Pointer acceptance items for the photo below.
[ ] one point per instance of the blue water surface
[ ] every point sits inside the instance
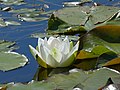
(21, 35)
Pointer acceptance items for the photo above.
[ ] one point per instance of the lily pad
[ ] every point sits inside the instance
(109, 33)
(6, 46)
(4, 23)
(23, 10)
(43, 35)
(11, 2)
(85, 80)
(80, 15)
(11, 60)
(73, 15)
(77, 3)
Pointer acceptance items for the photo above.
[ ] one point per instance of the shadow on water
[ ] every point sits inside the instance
(21, 34)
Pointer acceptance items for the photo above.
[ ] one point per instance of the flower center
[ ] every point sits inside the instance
(56, 54)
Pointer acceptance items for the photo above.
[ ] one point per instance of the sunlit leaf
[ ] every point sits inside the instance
(85, 55)
(11, 2)
(6, 9)
(4, 23)
(33, 19)
(11, 60)
(85, 15)
(91, 80)
(77, 3)
(22, 10)
(43, 35)
(31, 16)
(6, 46)
(72, 15)
(12, 23)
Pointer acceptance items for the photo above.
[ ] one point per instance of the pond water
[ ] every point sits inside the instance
(21, 35)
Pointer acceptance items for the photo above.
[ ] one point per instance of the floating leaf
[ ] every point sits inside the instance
(72, 15)
(114, 64)
(2, 23)
(30, 15)
(77, 3)
(12, 23)
(6, 46)
(11, 2)
(105, 57)
(23, 10)
(84, 14)
(6, 9)
(97, 37)
(43, 35)
(86, 64)
(109, 33)
(85, 80)
(85, 55)
(11, 60)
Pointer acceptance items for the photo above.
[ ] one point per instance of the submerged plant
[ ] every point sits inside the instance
(54, 52)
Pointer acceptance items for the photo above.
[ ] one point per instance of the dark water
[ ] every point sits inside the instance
(21, 34)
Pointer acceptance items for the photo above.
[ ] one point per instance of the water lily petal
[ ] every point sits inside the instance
(53, 42)
(50, 40)
(68, 62)
(46, 43)
(74, 49)
(39, 58)
(43, 52)
(40, 41)
(52, 62)
(66, 46)
(59, 39)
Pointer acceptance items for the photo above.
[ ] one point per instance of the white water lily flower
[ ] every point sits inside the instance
(54, 52)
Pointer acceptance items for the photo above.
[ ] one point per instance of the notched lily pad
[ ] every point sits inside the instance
(84, 15)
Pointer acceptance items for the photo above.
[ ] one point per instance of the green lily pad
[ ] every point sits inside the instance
(73, 15)
(79, 15)
(4, 23)
(6, 46)
(11, 60)
(43, 35)
(107, 35)
(32, 19)
(78, 2)
(11, 2)
(30, 15)
(23, 10)
(88, 16)
(85, 80)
